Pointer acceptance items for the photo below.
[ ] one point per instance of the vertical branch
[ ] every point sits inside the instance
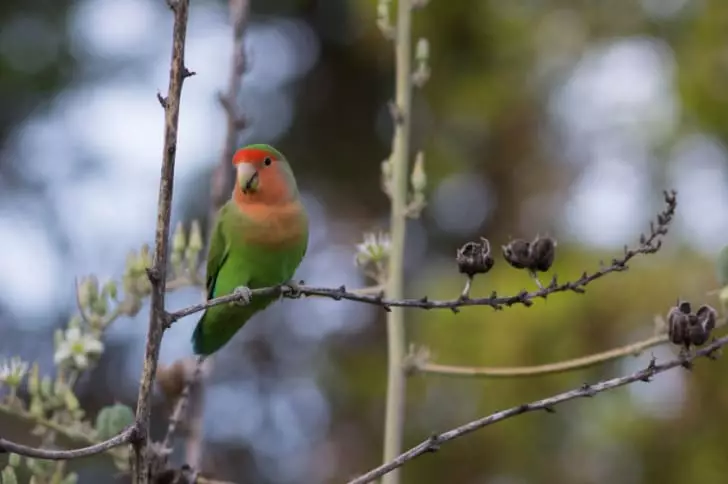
(158, 272)
(221, 184)
(401, 112)
(222, 181)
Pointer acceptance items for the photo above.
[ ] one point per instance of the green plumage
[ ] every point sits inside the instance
(234, 262)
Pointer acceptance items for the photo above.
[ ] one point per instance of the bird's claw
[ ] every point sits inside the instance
(292, 289)
(244, 294)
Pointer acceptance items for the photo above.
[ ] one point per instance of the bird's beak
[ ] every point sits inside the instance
(248, 177)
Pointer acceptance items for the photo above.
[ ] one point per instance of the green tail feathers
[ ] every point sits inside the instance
(198, 340)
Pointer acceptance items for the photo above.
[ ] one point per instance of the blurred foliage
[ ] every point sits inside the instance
(51, 406)
(483, 112)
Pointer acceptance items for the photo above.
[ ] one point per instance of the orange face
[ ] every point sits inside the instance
(260, 177)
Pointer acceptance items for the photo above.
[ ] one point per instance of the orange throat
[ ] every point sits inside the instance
(277, 225)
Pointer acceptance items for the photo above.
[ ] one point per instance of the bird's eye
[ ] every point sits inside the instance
(267, 161)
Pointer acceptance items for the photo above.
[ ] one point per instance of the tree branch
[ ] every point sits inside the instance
(123, 438)
(222, 180)
(649, 244)
(535, 370)
(157, 273)
(585, 391)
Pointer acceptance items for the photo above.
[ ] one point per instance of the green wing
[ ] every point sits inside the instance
(217, 253)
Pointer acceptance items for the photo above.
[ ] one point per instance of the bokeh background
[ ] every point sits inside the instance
(561, 116)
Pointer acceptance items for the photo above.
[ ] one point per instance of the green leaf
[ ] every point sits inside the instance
(113, 419)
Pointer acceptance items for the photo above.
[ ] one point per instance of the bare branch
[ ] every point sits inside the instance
(433, 443)
(648, 244)
(123, 438)
(537, 370)
(157, 273)
(181, 405)
(222, 176)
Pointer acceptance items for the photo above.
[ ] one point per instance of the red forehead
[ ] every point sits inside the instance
(251, 155)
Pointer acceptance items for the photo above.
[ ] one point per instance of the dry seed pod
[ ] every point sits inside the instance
(677, 325)
(542, 252)
(475, 258)
(517, 253)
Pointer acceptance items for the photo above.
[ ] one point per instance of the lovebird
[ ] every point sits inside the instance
(259, 239)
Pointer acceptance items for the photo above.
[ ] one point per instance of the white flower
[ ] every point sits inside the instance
(374, 248)
(12, 372)
(76, 347)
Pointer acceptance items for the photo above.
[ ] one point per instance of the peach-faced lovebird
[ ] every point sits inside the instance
(259, 239)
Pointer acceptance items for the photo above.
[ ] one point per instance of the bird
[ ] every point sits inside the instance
(259, 239)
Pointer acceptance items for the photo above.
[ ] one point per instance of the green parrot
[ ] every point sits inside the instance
(259, 240)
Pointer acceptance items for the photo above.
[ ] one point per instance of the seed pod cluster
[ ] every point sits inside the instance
(537, 255)
(686, 328)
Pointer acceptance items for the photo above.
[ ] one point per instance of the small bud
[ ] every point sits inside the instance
(70, 400)
(475, 258)
(143, 260)
(88, 291)
(386, 170)
(111, 289)
(384, 21)
(13, 460)
(8, 475)
(133, 306)
(36, 407)
(130, 265)
(517, 253)
(418, 179)
(196, 242)
(100, 307)
(542, 252)
(374, 249)
(179, 241)
(46, 386)
(34, 380)
(422, 51)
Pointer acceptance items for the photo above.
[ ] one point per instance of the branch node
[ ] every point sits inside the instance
(433, 443)
(162, 100)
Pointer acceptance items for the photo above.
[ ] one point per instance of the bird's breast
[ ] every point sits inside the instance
(278, 226)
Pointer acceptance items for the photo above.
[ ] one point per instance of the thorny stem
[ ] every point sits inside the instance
(433, 443)
(158, 272)
(649, 244)
(396, 385)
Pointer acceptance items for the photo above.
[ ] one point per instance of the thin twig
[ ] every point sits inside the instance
(27, 451)
(538, 370)
(433, 443)
(158, 272)
(649, 244)
(181, 404)
(222, 179)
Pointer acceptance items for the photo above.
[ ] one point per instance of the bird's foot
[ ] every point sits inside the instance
(244, 296)
(292, 289)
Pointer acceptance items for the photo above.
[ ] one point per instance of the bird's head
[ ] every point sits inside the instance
(263, 176)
